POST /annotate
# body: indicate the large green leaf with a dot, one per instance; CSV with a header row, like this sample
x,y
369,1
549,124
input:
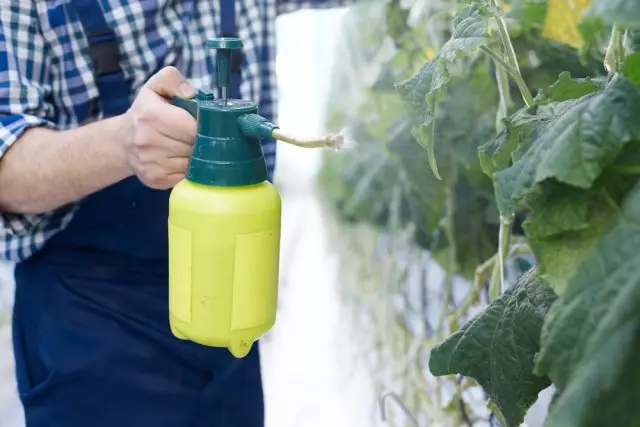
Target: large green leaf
x,y
591,337
623,12
564,226
526,124
419,92
520,130
414,160
497,348
574,147
466,119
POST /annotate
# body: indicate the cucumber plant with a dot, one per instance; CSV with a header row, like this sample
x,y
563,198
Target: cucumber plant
x,y
521,135
567,159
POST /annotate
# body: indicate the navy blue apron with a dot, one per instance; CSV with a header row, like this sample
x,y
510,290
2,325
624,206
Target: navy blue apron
x,y
92,341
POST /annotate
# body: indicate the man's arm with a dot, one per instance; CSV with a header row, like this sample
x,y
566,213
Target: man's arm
x,y
46,169
41,168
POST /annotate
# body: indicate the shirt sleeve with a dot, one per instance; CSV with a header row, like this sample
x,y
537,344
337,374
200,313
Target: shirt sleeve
x,y
24,90
287,6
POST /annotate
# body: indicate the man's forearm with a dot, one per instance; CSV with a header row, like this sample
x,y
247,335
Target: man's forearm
x,y
46,169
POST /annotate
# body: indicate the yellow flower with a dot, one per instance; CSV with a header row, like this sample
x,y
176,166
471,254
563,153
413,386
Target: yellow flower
x,y
430,53
561,23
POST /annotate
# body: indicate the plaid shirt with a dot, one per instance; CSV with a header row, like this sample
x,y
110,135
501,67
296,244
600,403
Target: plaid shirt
x,y
46,77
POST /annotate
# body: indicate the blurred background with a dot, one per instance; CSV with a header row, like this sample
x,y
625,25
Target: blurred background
x,y
361,286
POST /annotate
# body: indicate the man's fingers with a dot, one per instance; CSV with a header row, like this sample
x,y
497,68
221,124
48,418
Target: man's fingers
x,y
175,123
164,134
172,147
174,178
176,165
169,82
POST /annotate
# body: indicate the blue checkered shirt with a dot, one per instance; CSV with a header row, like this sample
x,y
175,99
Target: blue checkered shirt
x,y
46,77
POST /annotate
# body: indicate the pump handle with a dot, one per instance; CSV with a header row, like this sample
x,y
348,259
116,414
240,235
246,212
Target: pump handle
x,y
224,45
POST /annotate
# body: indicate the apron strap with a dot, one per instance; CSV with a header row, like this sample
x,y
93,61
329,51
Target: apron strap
x,y
105,55
228,28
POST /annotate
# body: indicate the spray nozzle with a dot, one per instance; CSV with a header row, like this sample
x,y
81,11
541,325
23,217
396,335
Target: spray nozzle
x,y
225,47
256,126
251,125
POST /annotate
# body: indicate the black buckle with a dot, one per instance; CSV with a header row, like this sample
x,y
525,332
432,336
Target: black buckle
x,y
104,52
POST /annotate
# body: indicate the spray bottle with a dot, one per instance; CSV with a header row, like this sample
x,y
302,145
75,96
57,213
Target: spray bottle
x,y
224,221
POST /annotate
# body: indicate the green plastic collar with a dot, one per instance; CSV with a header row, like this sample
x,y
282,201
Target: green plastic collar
x,y
222,154
227,149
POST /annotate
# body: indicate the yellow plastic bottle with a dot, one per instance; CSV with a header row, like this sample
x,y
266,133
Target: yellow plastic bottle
x,y
224,225
224,222
224,254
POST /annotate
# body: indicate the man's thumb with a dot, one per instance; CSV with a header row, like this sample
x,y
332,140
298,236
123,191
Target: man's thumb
x,y
169,82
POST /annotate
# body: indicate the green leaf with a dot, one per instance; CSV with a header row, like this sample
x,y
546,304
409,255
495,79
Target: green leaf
x,y
497,154
527,123
567,88
497,348
564,227
475,233
396,20
419,93
591,336
631,68
628,161
403,148
521,128
424,134
575,146
626,13
560,212
529,14
467,116
486,7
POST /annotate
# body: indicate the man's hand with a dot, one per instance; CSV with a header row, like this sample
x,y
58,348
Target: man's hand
x,y
158,136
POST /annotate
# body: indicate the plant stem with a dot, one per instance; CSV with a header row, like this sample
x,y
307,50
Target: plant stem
x,y
478,281
626,169
615,51
497,284
494,284
504,243
512,58
505,96
513,72
451,267
400,404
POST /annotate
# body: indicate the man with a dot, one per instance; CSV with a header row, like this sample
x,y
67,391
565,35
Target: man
x,y
89,150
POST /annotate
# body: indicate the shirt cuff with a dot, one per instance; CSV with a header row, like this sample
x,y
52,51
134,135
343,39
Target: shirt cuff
x,y
14,125
11,128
